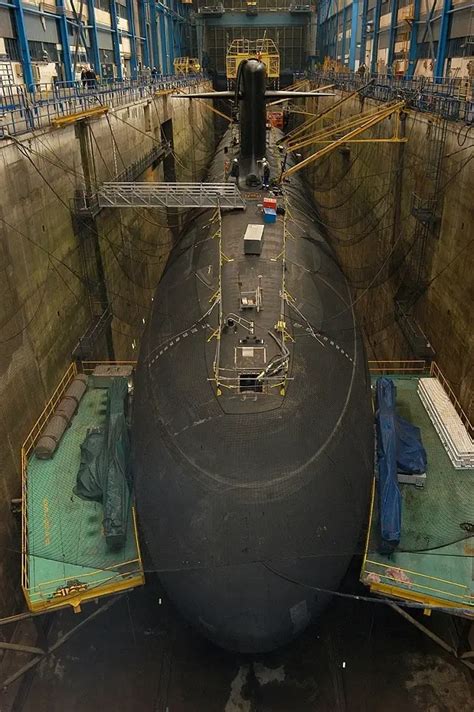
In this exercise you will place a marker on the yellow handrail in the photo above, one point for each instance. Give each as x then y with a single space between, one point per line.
27 446
398 366
435 371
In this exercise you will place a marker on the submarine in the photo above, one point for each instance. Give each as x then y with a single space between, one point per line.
252 425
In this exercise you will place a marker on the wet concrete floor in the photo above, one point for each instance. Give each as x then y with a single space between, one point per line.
139 656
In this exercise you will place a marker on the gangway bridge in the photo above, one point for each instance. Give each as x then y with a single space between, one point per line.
170 195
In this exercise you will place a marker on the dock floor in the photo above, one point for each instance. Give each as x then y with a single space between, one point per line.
140 656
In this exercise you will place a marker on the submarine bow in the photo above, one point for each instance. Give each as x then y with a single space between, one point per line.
252 426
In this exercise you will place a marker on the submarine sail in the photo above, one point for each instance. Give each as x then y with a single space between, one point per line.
252 423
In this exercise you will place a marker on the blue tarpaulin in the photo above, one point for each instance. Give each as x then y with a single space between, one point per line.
411 455
390 506
399 449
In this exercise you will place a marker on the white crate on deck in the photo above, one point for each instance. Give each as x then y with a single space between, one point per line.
447 423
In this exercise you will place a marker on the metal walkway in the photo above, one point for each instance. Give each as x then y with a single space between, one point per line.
170 195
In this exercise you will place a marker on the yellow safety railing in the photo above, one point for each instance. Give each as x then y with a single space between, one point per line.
56 593
371 511
26 448
436 373
461 592
421 367
88 367
400 366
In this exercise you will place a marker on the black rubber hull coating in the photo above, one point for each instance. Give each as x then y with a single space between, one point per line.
248 515
253 110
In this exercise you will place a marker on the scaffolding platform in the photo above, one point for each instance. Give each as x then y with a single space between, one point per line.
265 49
433 564
65 558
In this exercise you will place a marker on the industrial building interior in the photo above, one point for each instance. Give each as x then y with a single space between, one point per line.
124 127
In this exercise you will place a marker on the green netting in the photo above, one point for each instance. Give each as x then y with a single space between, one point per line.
66 538
427 564
443 511
103 471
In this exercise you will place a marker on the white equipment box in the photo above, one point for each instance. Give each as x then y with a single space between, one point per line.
253 240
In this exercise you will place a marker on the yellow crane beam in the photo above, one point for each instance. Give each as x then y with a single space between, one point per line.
371 121
296 84
310 123
330 132
61 121
280 101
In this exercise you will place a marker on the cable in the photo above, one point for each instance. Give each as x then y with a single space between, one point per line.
24 152
456 256
79 277
353 596
467 128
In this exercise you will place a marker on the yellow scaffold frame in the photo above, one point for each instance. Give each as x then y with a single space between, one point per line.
264 49
186 65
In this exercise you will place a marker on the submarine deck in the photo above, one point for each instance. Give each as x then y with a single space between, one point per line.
65 559
433 565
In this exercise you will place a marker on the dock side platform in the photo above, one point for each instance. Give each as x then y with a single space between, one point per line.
433 564
65 558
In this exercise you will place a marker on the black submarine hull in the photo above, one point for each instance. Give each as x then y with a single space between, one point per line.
251 516
251 81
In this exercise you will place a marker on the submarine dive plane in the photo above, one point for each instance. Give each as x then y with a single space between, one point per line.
252 422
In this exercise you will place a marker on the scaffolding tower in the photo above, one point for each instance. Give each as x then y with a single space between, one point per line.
263 49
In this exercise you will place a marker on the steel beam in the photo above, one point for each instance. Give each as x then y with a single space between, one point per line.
170 35
161 49
155 53
413 40
93 38
23 44
354 31
375 39
116 39
133 39
64 37
143 31
392 35
343 41
363 31
438 70
164 44
263 19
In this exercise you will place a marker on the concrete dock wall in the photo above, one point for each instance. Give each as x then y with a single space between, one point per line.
365 194
48 271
